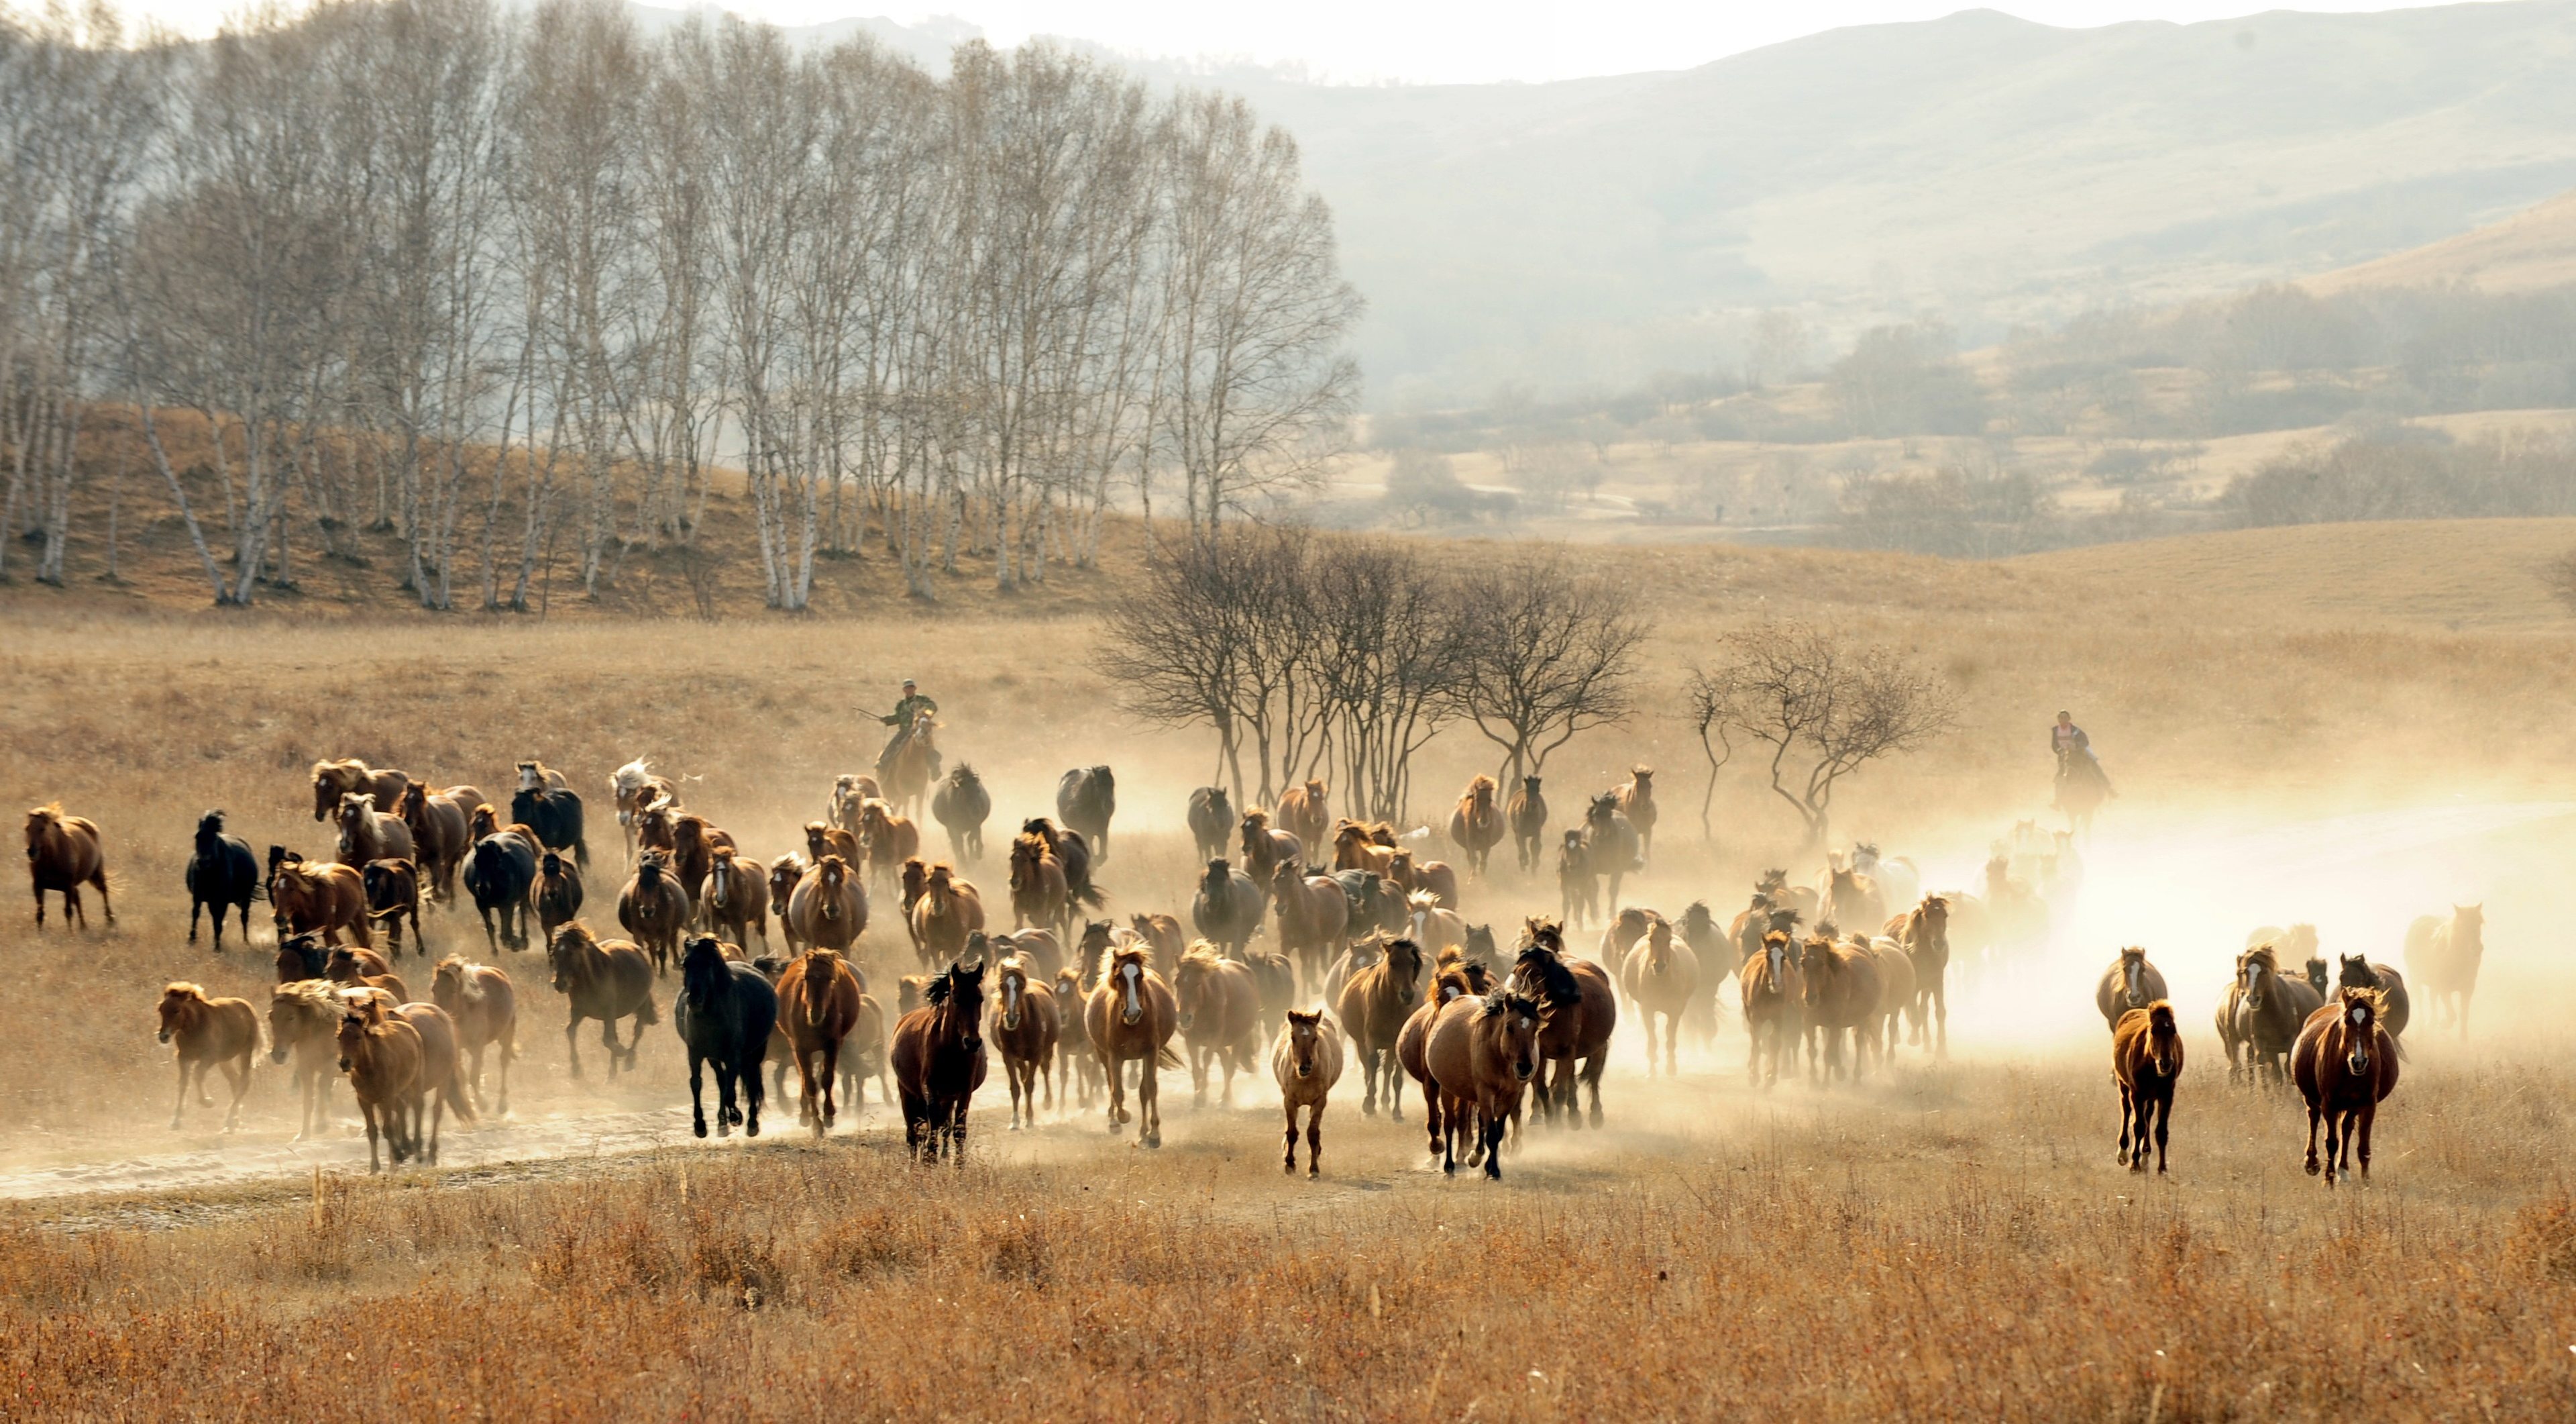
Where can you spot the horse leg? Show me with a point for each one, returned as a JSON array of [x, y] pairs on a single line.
[[617, 1055], [2312, 1139], [1592, 1067], [727, 1112], [1149, 1101], [1672, 1041], [831, 1080], [2128, 1115], [1289, 1163], [241, 1089], [2334, 1145], [697, 1086], [1941, 1009], [1112, 1070], [1489, 1127], [1315, 1138], [195, 905], [2369, 1112], [367, 1110], [2164, 1127], [1394, 1084], [179, 1102], [1431, 1115], [751, 1098]]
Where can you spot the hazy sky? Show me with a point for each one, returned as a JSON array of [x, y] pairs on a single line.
[[1429, 40]]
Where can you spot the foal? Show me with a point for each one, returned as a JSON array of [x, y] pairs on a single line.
[[1306, 1058]]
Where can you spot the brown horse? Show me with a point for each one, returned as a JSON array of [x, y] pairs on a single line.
[[382, 1053], [2444, 956], [818, 1002], [2345, 1064], [1218, 1005], [829, 907], [369, 834], [1429, 877], [634, 787], [1483, 1055], [1373, 1007], [559, 892], [486, 1012], [304, 1024], [1843, 995], [1163, 932], [313, 897], [1774, 992], [393, 896], [1026, 1024], [850, 791], [785, 873], [1851, 898], [1577, 1010], [734, 898], [438, 826], [1265, 850], [1454, 976], [333, 780], [1306, 1059], [887, 839], [1578, 885], [1476, 827], [63, 855], [442, 1080], [1356, 847], [1924, 932], [1303, 814], [939, 1062], [907, 771], [2268, 1015], [210, 1033], [1039, 894], [949, 910], [655, 909], [2359, 973], [1312, 916], [694, 843], [1131, 1016], [1895, 990], [1637, 798], [1527, 812], [1076, 1062], [2146, 1059], [603, 980], [822, 840], [1661, 975], [2130, 983], [346, 966]]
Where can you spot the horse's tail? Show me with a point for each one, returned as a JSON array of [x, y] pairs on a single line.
[[1165, 1057], [453, 1093], [1089, 893], [646, 1013]]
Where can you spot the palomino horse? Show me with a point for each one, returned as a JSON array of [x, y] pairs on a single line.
[[961, 806], [1373, 1007], [335, 779], [1218, 1006], [1039, 895], [2345, 1064], [2146, 1059], [1483, 1054], [1303, 814], [2444, 956], [2130, 983], [907, 771], [939, 1062], [1527, 813], [606, 981], [734, 898], [1636, 797], [1775, 996], [655, 909], [1131, 1016], [383, 1055], [1085, 800], [829, 907], [948, 911], [1843, 995], [724, 1014], [63, 855], [1476, 827], [1577, 1009], [1265, 850], [1312, 917], [2080, 788], [1661, 976], [1211, 820], [485, 1008], [312, 897], [304, 1024], [210, 1033], [818, 1001], [369, 834], [222, 873], [1306, 1059], [1026, 1026], [1925, 933]]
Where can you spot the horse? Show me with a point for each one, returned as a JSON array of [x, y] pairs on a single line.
[[558, 893], [383, 1055], [1483, 1055], [1161, 931], [333, 780], [441, 832], [828, 908], [1527, 814], [1714, 950], [949, 910], [822, 839], [694, 843], [1076, 1062], [887, 839], [1357, 847], [1303, 814], [1895, 990], [485, 1008], [2146, 1059], [1896, 879], [503, 867], [304, 956], [222, 873], [2444, 956], [1311, 916], [1377, 903], [1636, 797], [653, 908], [603, 980], [1661, 977], [733, 900], [2130, 983], [304, 1024], [1211, 819], [1362, 954], [1085, 799], [1372, 1008], [393, 895], [1424, 877], [1577, 1009], [550, 809], [2345, 1063], [369, 834], [906, 772], [1924, 931], [784, 875], [939, 1062], [209, 1033], [634, 787], [1610, 842], [961, 806], [1432, 927], [345, 966], [442, 1085], [1850, 897], [1039, 894], [1843, 994], [1091, 952], [723, 1014], [2359, 973], [1774, 992], [63, 854], [1798, 899], [1265, 850], [1578, 886], [1217, 1003], [818, 1001], [1476, 827], [2080, 788], [315, 897], [1131, 1016], [1306, 1060], [1043, 951], [1454, 976], [2267, 1017], [1026, 1026]]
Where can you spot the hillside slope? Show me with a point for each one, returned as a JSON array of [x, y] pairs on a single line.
[[2533, 249]]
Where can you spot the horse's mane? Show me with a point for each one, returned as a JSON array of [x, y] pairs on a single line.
[[1503, 1001], [184, 990], [468, 982], [320, 994], [2261, 954], [2160, 1016], [1202, 954], [1257, 818], [1556, 982], [577, 931]]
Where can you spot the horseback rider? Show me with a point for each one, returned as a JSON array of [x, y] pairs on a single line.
[[906, 712], [2067, 735]]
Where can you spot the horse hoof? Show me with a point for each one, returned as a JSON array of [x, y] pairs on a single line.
[[699, 1127], [2312, 1169], [1313, 1171]]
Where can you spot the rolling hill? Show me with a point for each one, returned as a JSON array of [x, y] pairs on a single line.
[[2533, 249]]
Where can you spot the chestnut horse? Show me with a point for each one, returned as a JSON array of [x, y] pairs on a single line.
[[734, 898], [1218, 1006], [1039, 893], [948, 911], [1843, 994], [1577, 1011], [1476, 827], [694, 843], [2146, 1059], [2444, 956], [1306, 1059], [1131, 1016], [2345, 1064], [939, 1062], [829, 907], [335, 779], [1661, 977], [486, 1010], [1775, 997], [210, 1033], [1312, 917], [1373, 1008], [1026, 1024], [383, 1055], [63, 855], [818, 1001], [887, 839], [313, 897], [1483, 1055], [1427, 877], [1303, 815], [304, 1024], [822, 840], [2359, 973], [1357, 847], [393, 896], [1924, 931], [604, 980], [655, 909], [1527, 812], [1637, 798], [558, 894], [441, 833], [1265, 850]]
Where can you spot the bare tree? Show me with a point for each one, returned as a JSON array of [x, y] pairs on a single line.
[[1386, 629], [1544, 652], [1825, 709]]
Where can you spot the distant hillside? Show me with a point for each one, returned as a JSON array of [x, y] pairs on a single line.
[[2530, 251]]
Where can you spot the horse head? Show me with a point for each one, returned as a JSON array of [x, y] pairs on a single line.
[[1305, 1041], [180, 1006], [2356, 973], [2133, 976], [531, 775], [2361, 1009], [1516, 1020], [2255, 972], [1404, 966], [833, 875], [1191, 981], [962, 1004], [453, 984], [821, 971], [1480, 944], [1012, 982], [2164, 1039], [210, 832], [566, 957], [1127, 972]]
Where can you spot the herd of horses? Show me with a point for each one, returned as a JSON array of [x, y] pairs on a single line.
[[1370, 960]]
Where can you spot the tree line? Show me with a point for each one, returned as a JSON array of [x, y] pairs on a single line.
[[497, 278]]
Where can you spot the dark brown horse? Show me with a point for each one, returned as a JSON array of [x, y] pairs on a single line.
[[829, 907], [2146, 1060], [604, 980], [1527, 812], [440, 835], [1131, 1016], [694, 843], [1303, 815], [63, 854], [1265, 850], [559, 892], [1578, 1010], [2345, 1064], [1312, 917], [1026, 1024], [939, 1062], [1373, 1008], [1483, 1055], [2267, 1016], [1218, 1002], [655, 909], [1040, 894], [393, 896], [2359, 973]]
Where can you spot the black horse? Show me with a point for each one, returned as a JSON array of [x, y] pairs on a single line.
[[499, 873], [1085, 800], [223, 873], [961, 805], [724, 1016], [555, 815], [1212, 820], [1228, 908]]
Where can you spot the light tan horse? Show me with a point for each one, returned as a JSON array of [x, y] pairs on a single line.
[[486, 1010], [949, 910], [63, 855], [1306, 1059], [1661, 976], [1637, 798], [1476, 827], [1132, 1016], [2444, 956], [210, 1033], [304, 1025], [829, 909]]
